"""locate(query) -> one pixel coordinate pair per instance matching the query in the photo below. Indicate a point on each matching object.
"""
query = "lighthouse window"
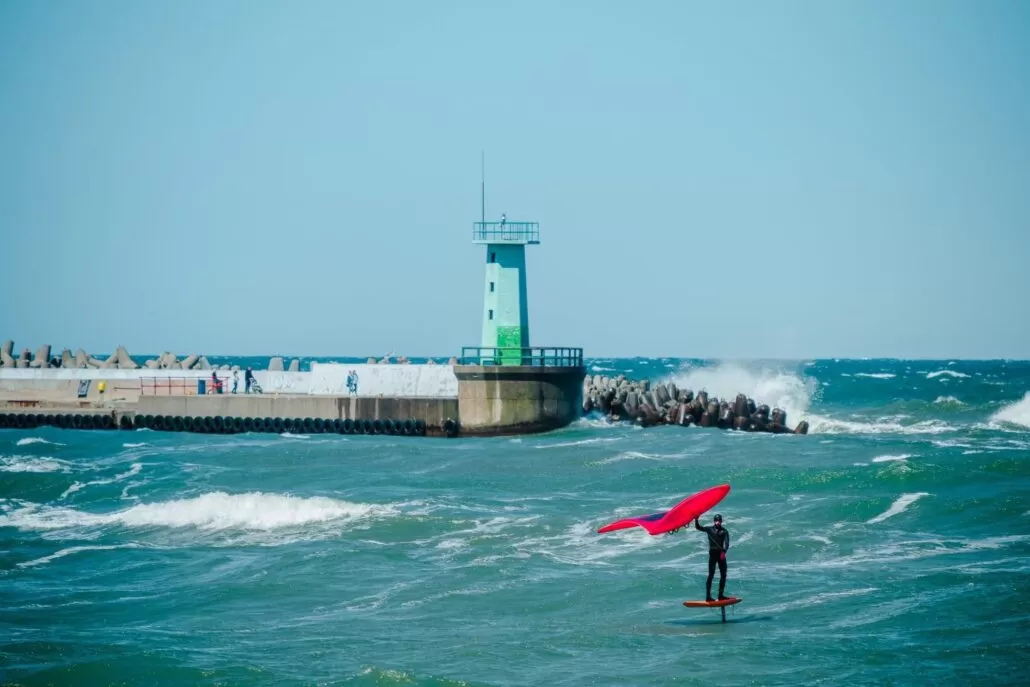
(491, 287)
(491, 314)
(493, 257)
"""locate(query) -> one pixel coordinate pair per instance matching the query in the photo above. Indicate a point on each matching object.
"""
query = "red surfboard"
(678, 516)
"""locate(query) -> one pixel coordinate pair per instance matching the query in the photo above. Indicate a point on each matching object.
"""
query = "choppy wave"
(947, 373)
(133, 470)
(1017, 413)
(211, 511)
(891, 458)
(886, 425)
(898, 507)
(73, 550)
(32, 464)
(28, 441)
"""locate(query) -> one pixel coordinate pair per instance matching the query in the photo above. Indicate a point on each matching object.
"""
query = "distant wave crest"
(1017, 413)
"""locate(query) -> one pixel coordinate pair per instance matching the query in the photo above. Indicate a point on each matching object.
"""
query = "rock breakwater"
(624, 400)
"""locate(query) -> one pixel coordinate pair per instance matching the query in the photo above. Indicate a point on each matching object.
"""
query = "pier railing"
(513, 355)
(184, 386)
(506, 232)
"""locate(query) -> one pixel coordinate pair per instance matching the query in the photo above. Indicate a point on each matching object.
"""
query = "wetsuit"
(718, 544)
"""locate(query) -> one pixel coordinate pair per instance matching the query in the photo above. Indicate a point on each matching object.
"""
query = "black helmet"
(717, 518)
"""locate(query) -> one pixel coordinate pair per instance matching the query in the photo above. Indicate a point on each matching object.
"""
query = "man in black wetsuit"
(718, 545)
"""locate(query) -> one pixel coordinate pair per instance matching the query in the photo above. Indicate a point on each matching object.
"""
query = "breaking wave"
(775, 388)
(212, 511)
(1017, 413)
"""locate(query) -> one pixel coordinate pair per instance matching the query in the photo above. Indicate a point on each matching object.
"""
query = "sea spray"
(775, 388)
(1017, 413)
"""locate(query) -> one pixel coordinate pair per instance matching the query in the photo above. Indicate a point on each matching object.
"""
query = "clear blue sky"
(711, 179)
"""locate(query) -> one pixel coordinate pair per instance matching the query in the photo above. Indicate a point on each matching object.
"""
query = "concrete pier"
(517, 399)
(433, 399)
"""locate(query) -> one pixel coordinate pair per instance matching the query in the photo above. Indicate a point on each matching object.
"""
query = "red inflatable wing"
(678, 516)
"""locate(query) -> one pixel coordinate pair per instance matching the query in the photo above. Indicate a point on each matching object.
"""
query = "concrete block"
(275, 364)
(294, 365)
(125, 362)
(42, 357)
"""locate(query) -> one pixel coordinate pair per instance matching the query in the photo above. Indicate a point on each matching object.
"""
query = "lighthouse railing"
(546, 356)
(500, 232)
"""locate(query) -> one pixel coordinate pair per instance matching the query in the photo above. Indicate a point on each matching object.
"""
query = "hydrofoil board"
(713, 604)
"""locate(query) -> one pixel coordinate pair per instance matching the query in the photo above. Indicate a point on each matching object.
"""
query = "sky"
(719, 180)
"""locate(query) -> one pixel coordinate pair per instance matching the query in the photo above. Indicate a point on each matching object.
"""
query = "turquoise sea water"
(889, 546)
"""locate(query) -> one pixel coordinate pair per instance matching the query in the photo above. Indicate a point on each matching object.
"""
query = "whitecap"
(32, 464)
(899, 506)
(890, 458)
(886, 425)
(946, 373)
(27, 441)
(72, 550)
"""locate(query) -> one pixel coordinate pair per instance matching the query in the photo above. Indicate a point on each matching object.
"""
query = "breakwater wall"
(624, 400)
(327, 379)
(397, 424)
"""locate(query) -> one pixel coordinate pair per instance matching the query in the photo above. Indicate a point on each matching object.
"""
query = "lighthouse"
(505, 307)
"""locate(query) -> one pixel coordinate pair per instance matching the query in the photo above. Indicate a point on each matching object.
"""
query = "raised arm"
(697, 525)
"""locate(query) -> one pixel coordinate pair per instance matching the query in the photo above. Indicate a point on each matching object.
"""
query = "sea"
(889, 546)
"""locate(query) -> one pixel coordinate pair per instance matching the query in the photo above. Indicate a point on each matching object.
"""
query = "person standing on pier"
(235, 380)
(248, 377)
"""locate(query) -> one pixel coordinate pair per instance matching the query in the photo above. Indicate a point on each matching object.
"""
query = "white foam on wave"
(253, 511)
(948, 400)
(580, 442)
(876, 375)
(628, 455)
(885, 425)
(815, 600)
(775, 388)
(131, 472)
(890, 458)
(32, 464)
(28, 441)
(1017, 413)
(597, 421)
(72, 550)
(899, 506)
(946, 373)
(950, 443)
(579, 545)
